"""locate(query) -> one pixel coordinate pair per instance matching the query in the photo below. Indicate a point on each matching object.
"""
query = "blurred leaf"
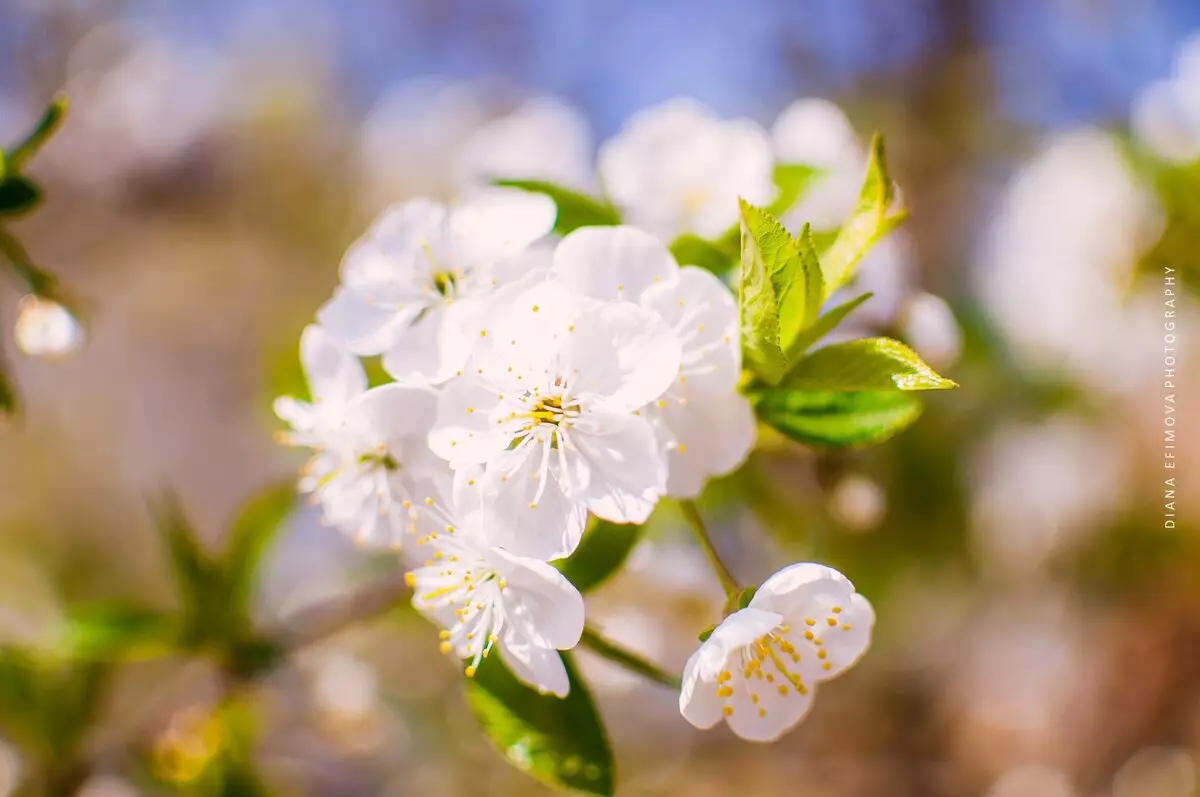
(575, 210)
(18, 195)
(559, 741)
(862, 365)
(824, 324)
(8, 394)
(716, 256)
(48, 705)
(46, 127)
(868, 222)
(39, 282)
(837, 419)
(604, 548)
(792, 181)
(197, 578)
(255, 527)
(117, 633)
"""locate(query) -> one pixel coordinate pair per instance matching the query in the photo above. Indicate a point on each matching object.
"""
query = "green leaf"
(197, 578)
(766, 247)
(717, 256)
(46, 127)
(824, 324)
(706, 633)
(604, 548)
(256, 525)
(868, 222)
(559, 741)
(8, 395)
(18, 195)
(575, 210)
(826, 419)
(792, 181)
(863, 365)
(116, 633)
(794, 320)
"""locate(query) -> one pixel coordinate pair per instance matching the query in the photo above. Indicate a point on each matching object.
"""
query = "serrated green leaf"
(824, 324)
(604, 548)
(765, 246)
(868, 222)
(559, 741)
(41, 133)
(864, 365)
(18, 195)
(717, 256)
(792, 180)
(793, 321)
(827, 419)
(116, 633)
(575, 210)
(252, 531)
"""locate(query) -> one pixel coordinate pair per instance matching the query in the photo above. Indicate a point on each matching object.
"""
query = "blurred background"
(1039, 626)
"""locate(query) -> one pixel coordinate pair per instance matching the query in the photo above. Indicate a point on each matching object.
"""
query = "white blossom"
(484, 596)
(678, 168)
(45, 328)
(370, 470)
(412, 287)
(707, 426)
(543, 139)
(548, 404)
(1166, 115)
(760, 668)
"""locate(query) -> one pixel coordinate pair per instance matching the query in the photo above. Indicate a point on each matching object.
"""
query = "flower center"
(767, 659)
(445, 283)
(378, 459)
(474, 594)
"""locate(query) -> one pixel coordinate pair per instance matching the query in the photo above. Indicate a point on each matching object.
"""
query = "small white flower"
(544, 139)
(485, 597)
(678, 168)
(45, 328)
(815, 132)
(707, 426)
(549, 405)
(412, 287)
(371, 471)
(760, 668)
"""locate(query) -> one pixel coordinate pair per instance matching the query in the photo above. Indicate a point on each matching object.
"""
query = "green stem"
(728, 582)
(40, 134)
(596, 642)
(39, 282)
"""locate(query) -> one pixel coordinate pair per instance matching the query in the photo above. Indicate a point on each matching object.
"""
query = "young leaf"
(826, 419)
(792, 181)
(198, 579)
(868, 222)
(604, 548)
(862, 365)
(257, 523)
(559, 741)
(575, 210)
(767, 250)
(813, 294)
(18, 195)
(824, 324)
(46, 127)
(116, 633)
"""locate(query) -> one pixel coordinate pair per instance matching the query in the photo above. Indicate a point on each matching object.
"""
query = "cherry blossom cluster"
(540, 380)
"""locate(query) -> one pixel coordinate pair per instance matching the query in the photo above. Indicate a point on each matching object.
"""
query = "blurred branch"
(326, 619)
(728, 582)
(596, 642)
(38, 281)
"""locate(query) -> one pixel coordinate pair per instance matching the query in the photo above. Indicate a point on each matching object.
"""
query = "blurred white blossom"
(1166, 115)
(543, 139)
(928, 325)
(858, 502)
(45, 328)
(1032, 780)
(1157, 772)
(678, 168)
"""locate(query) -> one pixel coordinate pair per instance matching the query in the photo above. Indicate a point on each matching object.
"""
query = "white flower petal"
(436, 347)
(335, 376)
(465, 430)
(698, 701)
(712, 437)
(613, 263)
(367, 329)
(395, 411)
(527, 511)
(627, 469)
(540, 668)
(625, 356)
(763, 711)
(703, 313)
(500, 222)
(733, 634)
(541, 602)
(544, 139)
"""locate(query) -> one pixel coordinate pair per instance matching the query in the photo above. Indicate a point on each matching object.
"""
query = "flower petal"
(698, 701)
(613, 263)
(366, 328)
(335, 376)
(499, 222)
(703, 313)
(527, 512)
(465, 429)
(540, 601)
(712, 436)
(625, 356)
(763, 711)
(394, 412)
(626, 467)
(541, 668)
(434, 348)
(733, 634)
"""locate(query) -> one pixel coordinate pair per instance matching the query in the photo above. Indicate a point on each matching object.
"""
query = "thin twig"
(596, 642)
(728, 582)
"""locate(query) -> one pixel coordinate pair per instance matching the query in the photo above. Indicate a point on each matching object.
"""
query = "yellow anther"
(762, 712)
(795, 658)
(535, 308)
(770, 678)
(783, 690)
(444, 647)
(724, 692)
(428, 502)
(808, 635)
(406, 504)
(846, 627)
(832, 621)
(727, 711)
(681, 448)
(444, 635)
(410, 580)
(753, 698)
(827, 666)
(821, 653)
(533, 504)
(470, 409)
(809, 621)
(470, 671)
(483, 333)
(836, 610)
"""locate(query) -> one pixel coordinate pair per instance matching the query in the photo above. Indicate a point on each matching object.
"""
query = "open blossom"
(485, 597)
(706, 425)
(543, 139)
(412, 288)
(678, 168)
(760, 668)
(548, 404)
(371, 469)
